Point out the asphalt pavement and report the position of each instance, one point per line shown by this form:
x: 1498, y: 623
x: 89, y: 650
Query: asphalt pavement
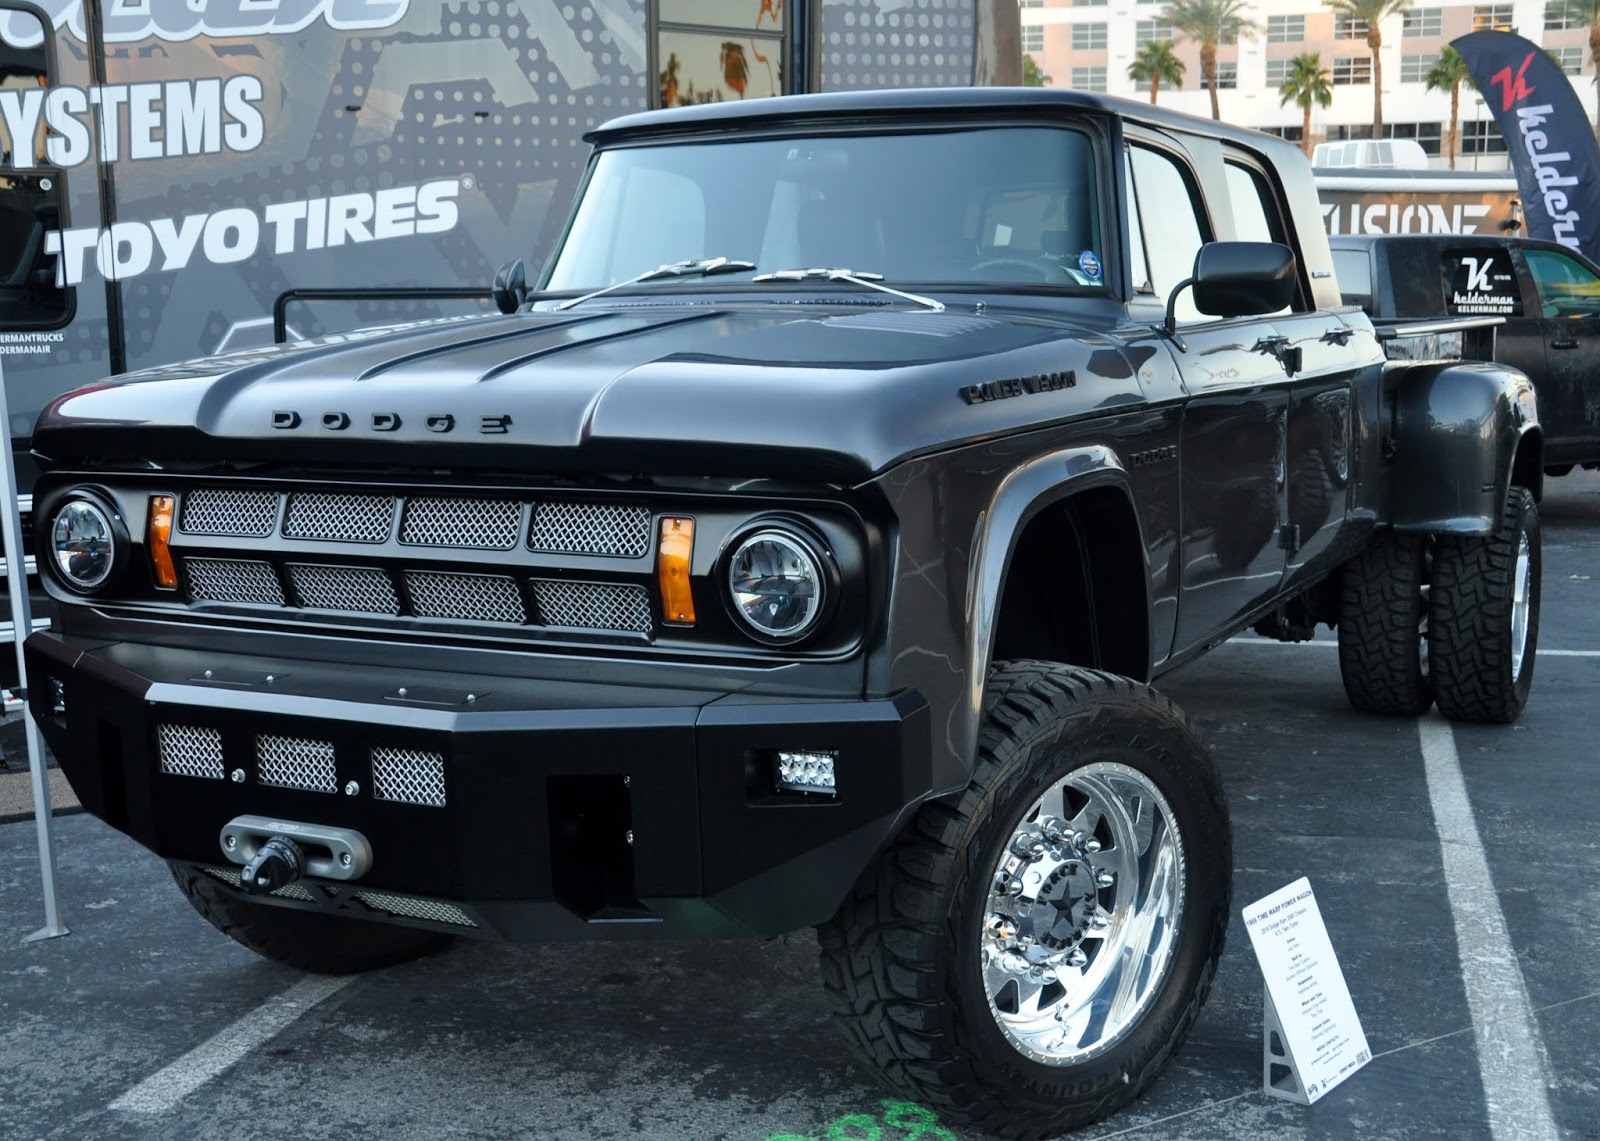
x: 1480, y: 997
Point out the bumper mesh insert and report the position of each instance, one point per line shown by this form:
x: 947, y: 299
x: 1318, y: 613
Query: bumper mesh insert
x: 409, y: 908
x: 190, y: 751
x: 295, y: 762
x: 409, y: 776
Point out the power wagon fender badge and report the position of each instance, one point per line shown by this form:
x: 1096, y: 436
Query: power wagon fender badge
x: 494, y: 424
x: 1018, y: 386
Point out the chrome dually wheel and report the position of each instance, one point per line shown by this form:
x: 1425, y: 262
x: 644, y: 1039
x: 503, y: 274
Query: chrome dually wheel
x: 1028, y: 955
x: 1084, y: 905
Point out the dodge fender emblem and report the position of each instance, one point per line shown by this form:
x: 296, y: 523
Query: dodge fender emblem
x: 441, y: 423
x: 335, y: 421
x: 286, y: 419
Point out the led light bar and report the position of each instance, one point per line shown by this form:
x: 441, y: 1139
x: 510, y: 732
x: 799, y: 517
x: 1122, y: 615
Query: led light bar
x: 807, y: 772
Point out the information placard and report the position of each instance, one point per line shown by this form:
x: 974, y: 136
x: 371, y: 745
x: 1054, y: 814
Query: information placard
x: 1309, y: 1005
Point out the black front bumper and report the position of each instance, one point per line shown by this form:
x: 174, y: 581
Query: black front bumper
x: 568, y: 809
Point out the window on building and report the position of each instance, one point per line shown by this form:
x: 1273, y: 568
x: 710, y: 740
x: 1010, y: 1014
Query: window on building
x: 1346, y: 27
x: 1033, y: 37
x: 1421, y: 22
x: 1088, y: 3
x: 697, y: 59
x: 1351, y: 69
x: 1427, y: 135
x: 1570, y: 59
x: 1278, y: 71
x: 1492, y: 17
x: 1481, y: 137
x: 1088, y: 37
x: 1286, y: 29
x: 1558, y: 17
x: 1149, y: 31
x: 1030, y: 3
x: 30, y: 198
x: 1089, y: 78
x: 1227, y: 75
x: 1415, y: 68
x: 1290, y: 133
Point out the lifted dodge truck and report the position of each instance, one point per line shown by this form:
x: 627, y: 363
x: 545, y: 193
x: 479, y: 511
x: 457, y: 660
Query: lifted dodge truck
x: 799, y: 554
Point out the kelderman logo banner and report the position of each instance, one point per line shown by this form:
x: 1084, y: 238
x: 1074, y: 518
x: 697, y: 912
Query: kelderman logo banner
x: 1552, y: 145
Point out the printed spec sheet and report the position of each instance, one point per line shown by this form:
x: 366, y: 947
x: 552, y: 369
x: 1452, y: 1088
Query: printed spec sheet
x: 1307, y: 987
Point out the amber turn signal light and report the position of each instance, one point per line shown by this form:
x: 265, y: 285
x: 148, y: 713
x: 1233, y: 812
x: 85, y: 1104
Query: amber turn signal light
x: 672, y: 569
x: 160, y: 533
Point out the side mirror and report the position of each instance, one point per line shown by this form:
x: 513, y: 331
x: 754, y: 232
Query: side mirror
x: 510, y: 288
x: 1237, y: 279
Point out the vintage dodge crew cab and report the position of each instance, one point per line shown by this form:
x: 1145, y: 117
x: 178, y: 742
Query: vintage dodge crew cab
x: 798, y: 554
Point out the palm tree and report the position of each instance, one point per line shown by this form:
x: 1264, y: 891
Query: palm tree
x: 735, y: 71
x: 1306, y: 83
x: 1032, y: 74
x: 1372, y: 13
x: 1588, y: 11
x: 1208, y: 23
x: 669, y: 82
x: 1448, y: 74
x: 1156, y: 63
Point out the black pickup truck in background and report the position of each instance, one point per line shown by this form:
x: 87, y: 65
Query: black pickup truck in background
x: 1548, y: 294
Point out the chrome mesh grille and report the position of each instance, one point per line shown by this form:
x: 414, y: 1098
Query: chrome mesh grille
x: 233, y: 580
x: 223, y: 511
x: 592, y: 605
x: 483, y: 524
x: 365, y: 589
x: 341, y: 518
x: 288, y: 891
x: 468, y: 597
x: 409, y: 908
x: 190, y: 751
x: 590, y: 529
x: 409, y: 776
x: 295, y: 762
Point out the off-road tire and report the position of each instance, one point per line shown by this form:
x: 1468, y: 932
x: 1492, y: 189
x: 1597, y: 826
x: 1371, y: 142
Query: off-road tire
x: 1470, y: 639
x: 1381, y: 610
x: 901, y: 959
x: 305, y: 940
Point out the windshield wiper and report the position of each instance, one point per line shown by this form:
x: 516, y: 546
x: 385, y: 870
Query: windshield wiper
x: 870, y: 280
x: 694, y: 267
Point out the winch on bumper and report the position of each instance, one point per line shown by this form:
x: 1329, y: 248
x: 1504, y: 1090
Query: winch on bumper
x: 529, y: 810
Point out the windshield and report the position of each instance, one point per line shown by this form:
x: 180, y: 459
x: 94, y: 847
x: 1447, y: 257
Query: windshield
x: 1014, y: 206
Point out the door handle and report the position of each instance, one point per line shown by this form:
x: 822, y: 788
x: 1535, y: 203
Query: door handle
x: 1279, y: 348
x: 1564, y: 343
x: 1340, y: 336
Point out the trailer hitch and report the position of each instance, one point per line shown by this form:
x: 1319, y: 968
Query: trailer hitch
x: 277, y: 864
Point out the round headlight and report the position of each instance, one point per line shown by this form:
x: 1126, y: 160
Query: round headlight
x: 777, y: 584
x: 83, y: 544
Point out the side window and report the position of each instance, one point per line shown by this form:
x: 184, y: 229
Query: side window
x: 1138, y: 268
x: 1479, y: 281
x: 1171, y: 222
x: 30, y: 191
x: 1353, y: 269
x: 1254, y: 217
x: 1567, y: 287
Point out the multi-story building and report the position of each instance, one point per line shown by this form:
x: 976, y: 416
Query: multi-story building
x: 1089, y: 44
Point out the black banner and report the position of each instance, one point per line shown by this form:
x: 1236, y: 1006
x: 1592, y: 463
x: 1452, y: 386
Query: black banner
x: 1552, y: 144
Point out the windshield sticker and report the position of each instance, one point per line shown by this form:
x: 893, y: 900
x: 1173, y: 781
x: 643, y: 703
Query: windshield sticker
x: 1480, y: 283
x: 1089, y: 265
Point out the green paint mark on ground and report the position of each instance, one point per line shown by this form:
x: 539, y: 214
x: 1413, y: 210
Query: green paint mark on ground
x: 898, y: 1121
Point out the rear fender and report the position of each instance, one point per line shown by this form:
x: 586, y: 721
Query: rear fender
x: 1458, y: 427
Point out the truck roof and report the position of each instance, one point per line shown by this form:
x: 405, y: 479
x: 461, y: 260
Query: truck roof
x: 787, y: 108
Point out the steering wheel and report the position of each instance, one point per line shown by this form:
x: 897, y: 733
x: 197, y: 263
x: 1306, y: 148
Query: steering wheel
x: 1038, y: 270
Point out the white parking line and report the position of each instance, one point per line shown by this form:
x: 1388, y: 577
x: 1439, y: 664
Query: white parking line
x: 166, y: 1088
x: 1511, y: 1058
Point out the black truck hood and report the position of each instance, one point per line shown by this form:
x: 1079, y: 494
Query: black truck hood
x: 784, y: 390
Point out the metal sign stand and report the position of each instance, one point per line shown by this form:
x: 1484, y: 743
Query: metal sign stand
x: 21, y: 627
